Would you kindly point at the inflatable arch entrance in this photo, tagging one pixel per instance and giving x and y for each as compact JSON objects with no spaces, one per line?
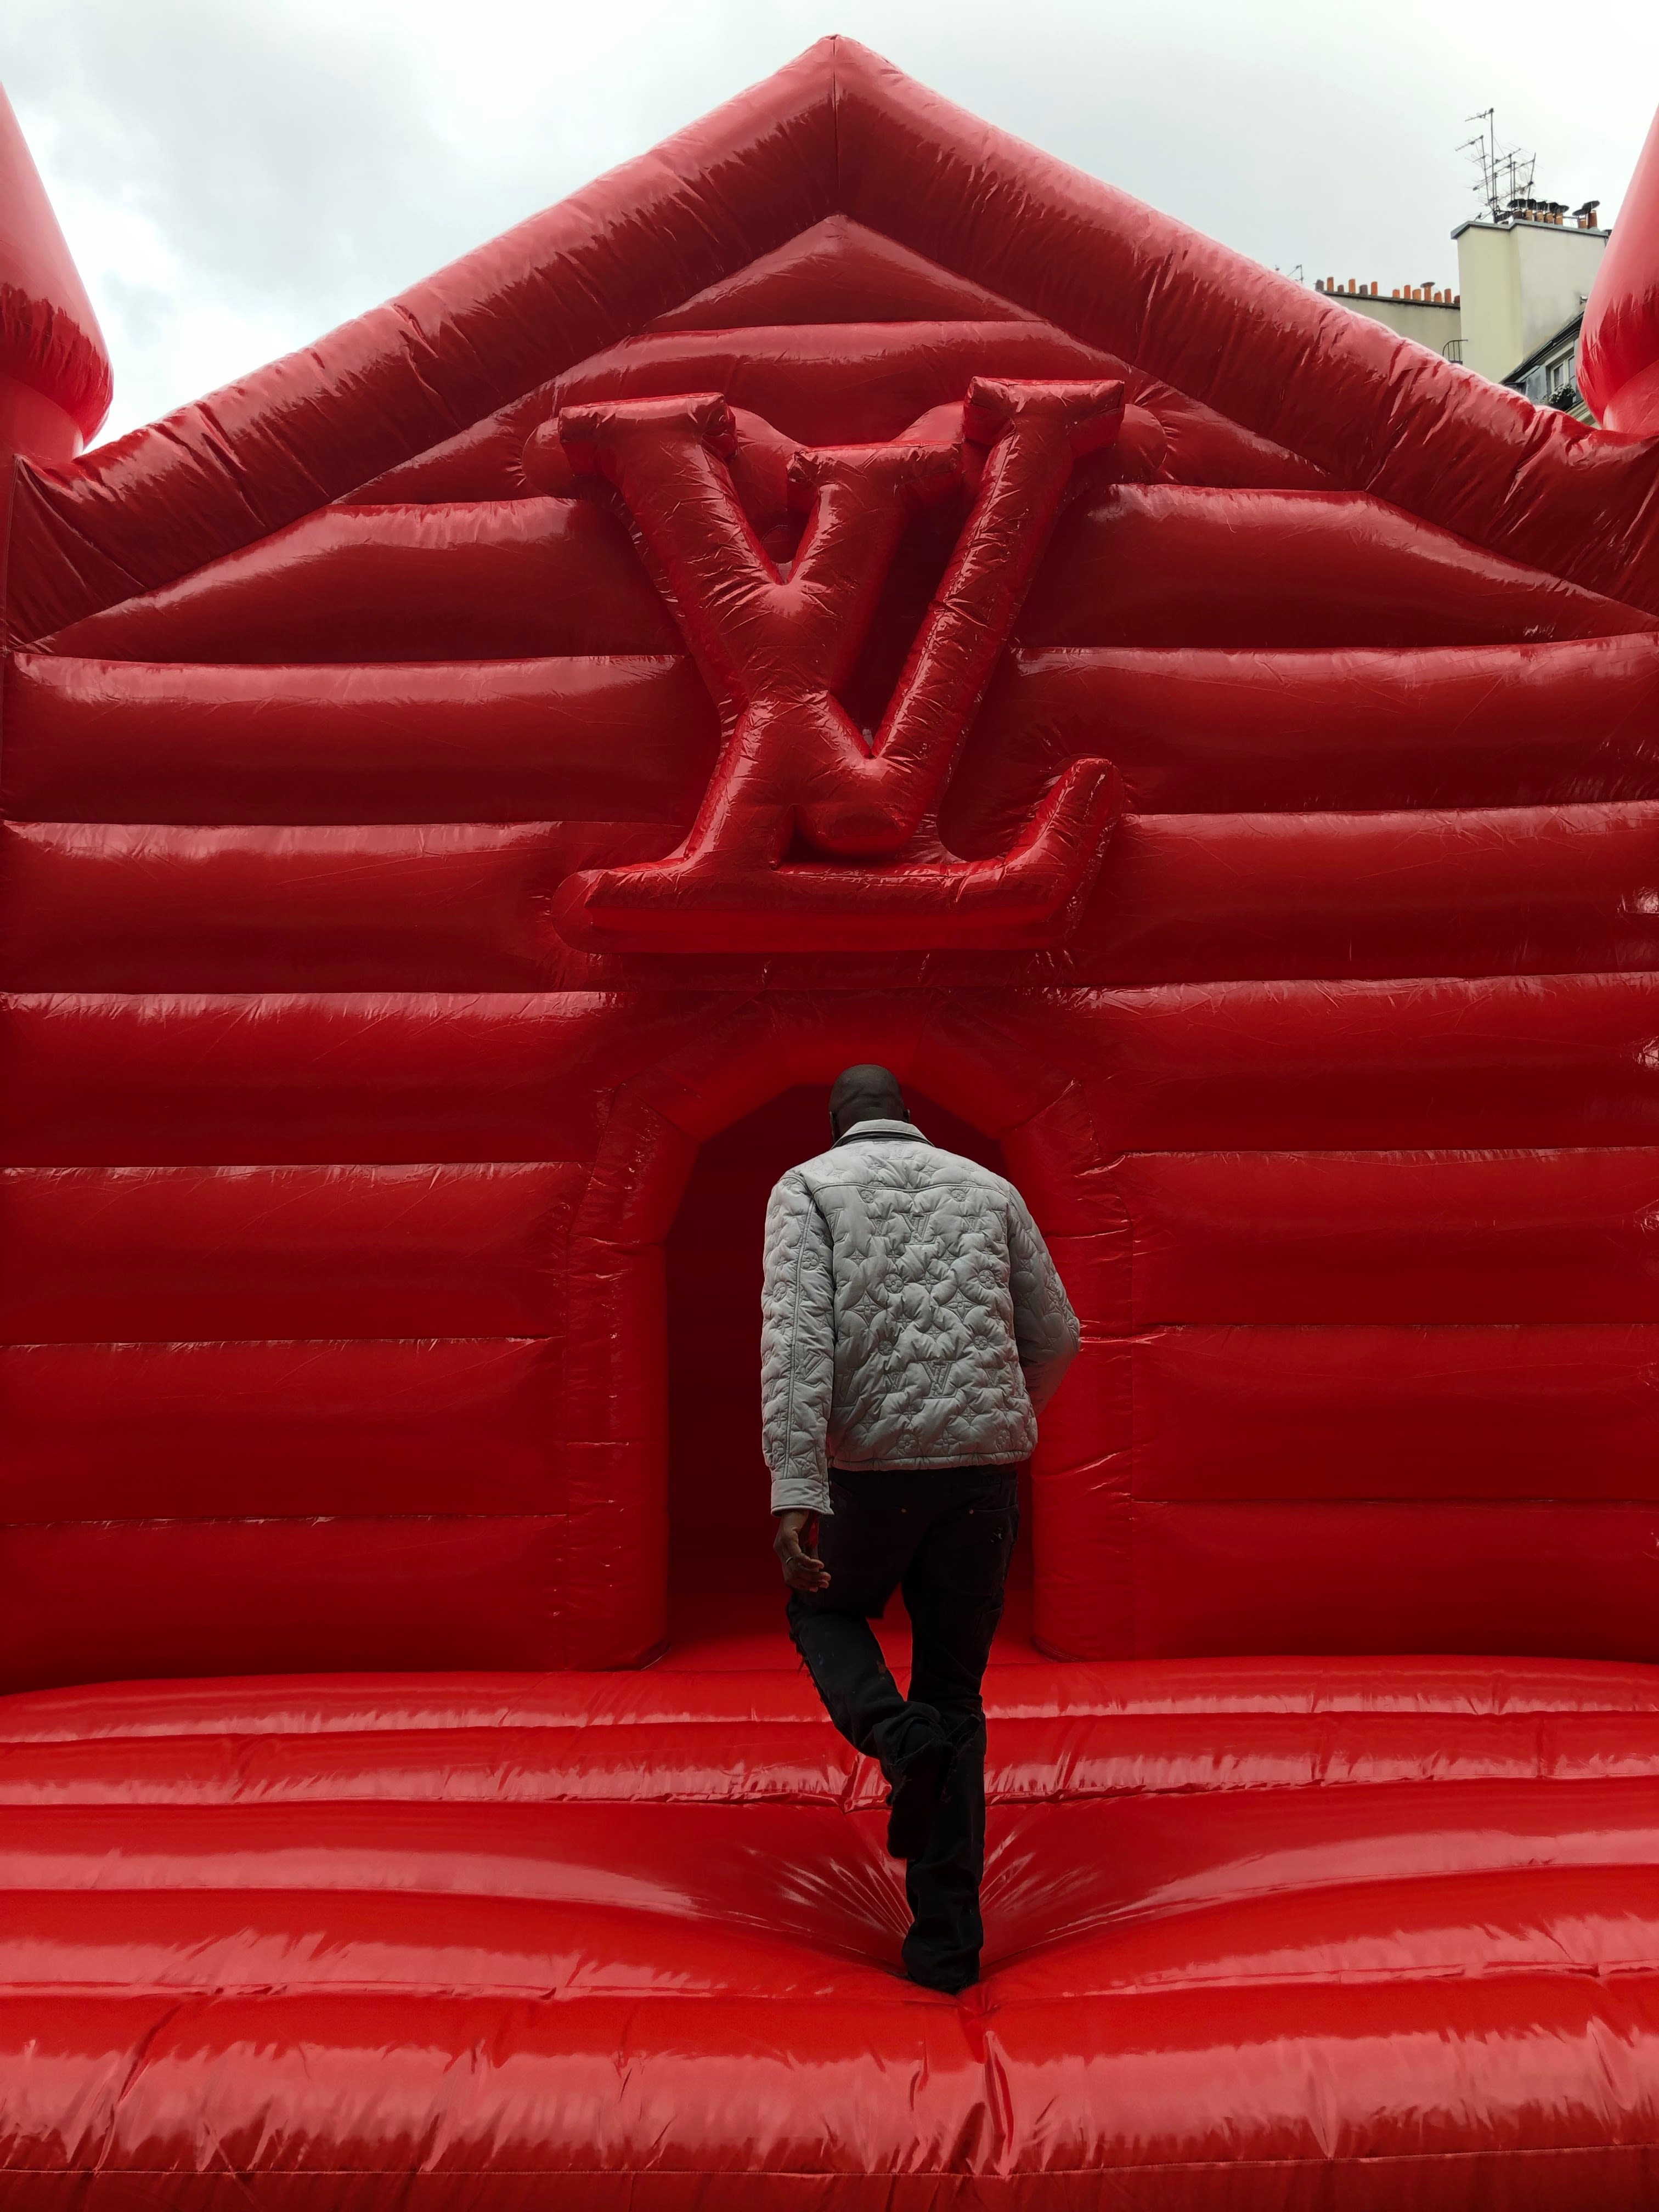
{"x":842,"y":586}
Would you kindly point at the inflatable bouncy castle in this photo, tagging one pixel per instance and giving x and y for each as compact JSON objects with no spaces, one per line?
{"x":843,"y":588}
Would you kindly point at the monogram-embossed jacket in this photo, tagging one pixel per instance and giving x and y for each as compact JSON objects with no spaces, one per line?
{"x":911,"y":1315}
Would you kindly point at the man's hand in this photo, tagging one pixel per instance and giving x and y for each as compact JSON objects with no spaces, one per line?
{"x":802,"y":1569}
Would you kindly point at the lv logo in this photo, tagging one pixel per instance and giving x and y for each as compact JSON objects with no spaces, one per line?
{"x":812,"y":836}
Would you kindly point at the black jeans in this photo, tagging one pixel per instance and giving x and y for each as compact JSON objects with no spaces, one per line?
{"x":943,"y":1536}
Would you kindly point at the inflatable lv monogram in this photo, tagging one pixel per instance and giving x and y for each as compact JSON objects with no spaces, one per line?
{"x":813,"y":834}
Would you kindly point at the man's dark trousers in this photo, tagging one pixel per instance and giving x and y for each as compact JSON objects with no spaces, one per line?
{"x":943,"y":1537}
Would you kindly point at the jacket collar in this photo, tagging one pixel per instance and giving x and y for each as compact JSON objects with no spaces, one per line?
{"x":901,"y":1131}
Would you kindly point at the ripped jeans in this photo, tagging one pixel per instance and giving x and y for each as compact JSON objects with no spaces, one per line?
{"x":943,"y":1537}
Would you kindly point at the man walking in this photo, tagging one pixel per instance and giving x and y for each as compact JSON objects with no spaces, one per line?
{"x":913,"y":1326}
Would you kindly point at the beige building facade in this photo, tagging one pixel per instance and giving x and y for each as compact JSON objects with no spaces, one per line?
{"x":1514,"y":316}
{"x":1522,"y":283}
{"x":1433,"y":317}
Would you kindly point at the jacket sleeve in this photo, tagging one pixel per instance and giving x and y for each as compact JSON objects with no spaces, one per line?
{"x":798,"y":1347}
{"x":1045,"y":1328}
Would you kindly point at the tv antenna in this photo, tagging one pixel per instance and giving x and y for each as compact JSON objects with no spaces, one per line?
{"x":1505,"y":172}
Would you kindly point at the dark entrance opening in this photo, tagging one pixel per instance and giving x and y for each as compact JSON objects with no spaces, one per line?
{"x":721,"y":1570}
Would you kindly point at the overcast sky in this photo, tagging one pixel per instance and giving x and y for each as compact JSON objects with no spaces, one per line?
{"x":236,"y":176}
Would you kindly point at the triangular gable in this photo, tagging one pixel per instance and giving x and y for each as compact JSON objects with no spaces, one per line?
{"x":837,"y":132}
{"x":839,"y":271}
{"x":772,"y":369}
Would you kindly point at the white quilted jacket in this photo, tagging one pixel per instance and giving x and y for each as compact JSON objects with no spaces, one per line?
{"x":911,"y":1315}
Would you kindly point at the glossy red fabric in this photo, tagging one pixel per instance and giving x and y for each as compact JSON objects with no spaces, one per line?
{"x":844,"y":588}
{"x":1256,"y":1931}
{"x":54,"y":373}
{"x":1618,"y":351}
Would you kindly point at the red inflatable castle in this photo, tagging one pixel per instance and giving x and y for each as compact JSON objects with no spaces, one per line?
{"x":843,"y":588}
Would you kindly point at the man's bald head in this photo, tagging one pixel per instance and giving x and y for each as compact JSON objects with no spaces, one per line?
{"x":865,"y":1093}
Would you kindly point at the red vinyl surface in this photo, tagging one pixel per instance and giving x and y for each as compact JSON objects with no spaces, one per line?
{"x":844,"y":588}
{"x":1249,"y":1926}
{"x":54,"y":372}
{"x":1619,"y":365}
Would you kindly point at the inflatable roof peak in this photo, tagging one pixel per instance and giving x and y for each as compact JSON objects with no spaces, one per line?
{"x":839,"y":162}
{"x":839,"y":271}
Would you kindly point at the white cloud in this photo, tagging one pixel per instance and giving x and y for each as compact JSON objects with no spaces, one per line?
{"x":236,"y":176}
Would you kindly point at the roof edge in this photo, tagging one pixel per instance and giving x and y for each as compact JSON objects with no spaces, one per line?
{"x":1373,"y":411}
{"x":841,"y":130}
{"x":260,"y":452}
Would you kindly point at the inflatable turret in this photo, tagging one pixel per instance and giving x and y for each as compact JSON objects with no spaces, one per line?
{"x":54,"y":371}
{"x":1619,"y":354}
